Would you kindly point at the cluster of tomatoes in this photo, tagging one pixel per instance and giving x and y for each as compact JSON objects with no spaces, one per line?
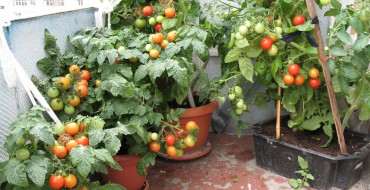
{"x":158,"y":40}
{"x":294,"y":76}
{"x":175,"y":143}
{"x":237,"y":100}
{"x":70,"y":136}
{"x":63,"y":96}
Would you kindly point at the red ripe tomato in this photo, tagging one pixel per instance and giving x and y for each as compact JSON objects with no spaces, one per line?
{"x":84,"y":75}
{"x":314,"y":82}
{"x":56,"y":181}
{"x":64,"y":138}
{"x":171,"y":151}
{"x":82,"y":140}
{"x":191,"y":125}
{"x":70,"y":181}
{"x":299,"y":20}
{"x":59,"y":151}
{"x":266,"y":43}
{"x":288,"y":79}
{"x":180,"y":133}
{"x":158,"y":27}
{"x":170,"y":140}
{"x":170,"y":12}
{"x":148,"y":10}
{"x":154,"y":146}
{"x":81,"y":91}
{"x":294,"y":69}
{"x":72,"y":128}
{"x":299,"y":80}
{"x":82,"y":127}
{"x":70,"y":145}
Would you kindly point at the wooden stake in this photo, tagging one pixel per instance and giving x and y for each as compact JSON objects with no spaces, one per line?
{"x":325,"y":68}
{"x":278,"y":114}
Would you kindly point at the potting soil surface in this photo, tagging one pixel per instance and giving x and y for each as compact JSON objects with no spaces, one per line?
{"x":314,"y":140}
{"x":230,"y":165}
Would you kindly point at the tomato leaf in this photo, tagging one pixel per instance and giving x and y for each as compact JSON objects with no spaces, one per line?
{"x":37,"y":167}
{"x":254,"y":50}
{"x":344,"y":37}
{"x":15,"y":173}
{"x":361,"y":42}
{"x":332,"y":12}
{"x":365,"y":110}
{"x":95,"y":137}
{"x":307,"y":26}
{"x":117,"y":85}
{"x":293,"y":183}
{"x":103,"y":155}
{"x":242,"y":43}
{"x":42,"y":131}
{"x":168,"y":24}
{"x":171,"y":50}
{"x":356,"y":24}
{"x":83,"y":158}
{"x":312,"y":124}
{"x":232,"y":55}
{"x":201,"y":50}
{"x":302,"y":163}
{"x":337,"y":51}
{"x":147,"y":160}
{"x":246,"y":68}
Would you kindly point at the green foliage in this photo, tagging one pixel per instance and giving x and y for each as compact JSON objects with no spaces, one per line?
{"x":304,"y":173}
{"x":34,"y":171}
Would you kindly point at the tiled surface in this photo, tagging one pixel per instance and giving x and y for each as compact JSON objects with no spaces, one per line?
{"x":230,"y":165}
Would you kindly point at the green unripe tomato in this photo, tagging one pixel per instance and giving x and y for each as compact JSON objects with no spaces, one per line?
{"x":22,"y":154}
{"x":148,"y":47}
{"x":140,"y":23}
{"x":69,"y":109}
{"x":244,"y":107}
{"x":364,"y":15}
{"x":60,"y":129}
{"x":159,"y":19}
{"x":239,"y":36}
{"x":325,"y":2}
{"x":231,"y":97}
{"x":154,"y":136}
{"x":259,"y":28}
{"x":152,"y":21}
{"x":121,"y":49}
{"x":278,"y":30}
{"x":238,"y":90}
{"x":243,"y":30}
{"x":273,"y":51}
{"x":53,"y":92}
{"x":240,"y":104}
{"x":279,"y":23}
{"x":239,"y":111}
{"x":20,"y":141}
{"x":248,"y":23}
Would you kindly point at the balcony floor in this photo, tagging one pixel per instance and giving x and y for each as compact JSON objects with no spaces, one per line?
{"x":230,"y":165}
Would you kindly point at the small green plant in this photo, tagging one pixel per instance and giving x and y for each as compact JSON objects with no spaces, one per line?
{"x":305,"y":175}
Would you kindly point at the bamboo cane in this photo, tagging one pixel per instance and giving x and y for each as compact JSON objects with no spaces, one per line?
{"x":328,"y":79}
{"x":278,"y":114}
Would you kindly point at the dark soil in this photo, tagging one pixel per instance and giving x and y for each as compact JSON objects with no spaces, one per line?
{"x":313,"y":140}
{"x":174,"y":104}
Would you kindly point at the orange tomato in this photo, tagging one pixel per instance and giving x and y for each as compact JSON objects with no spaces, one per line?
{"x":74,"y":70}
{"x":72,"y":128}
{"x":81,"y":91}
{"x":154,"y":53}
{"x":157,"y":38}
{"x":63,"y":83}
{"x":164,"y":44}
{"x":85,"y":75}
{"x":191,"y":125}
{"x":299,"y":80}
{"x":83,"y":82}
{"x":71,"y":144}
{"x":171,"y":36}
{"x":59,"y":151}
{"x":74,"y":100}
{"x":70,"y":181}
{"x":171,"y":151}
{"x":288,"y":79}
{"x":154,"y":146}
{"x":170,"y":12}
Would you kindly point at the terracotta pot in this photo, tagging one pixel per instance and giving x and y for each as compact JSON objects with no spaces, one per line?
{"x":202,"y":116}
{"x":128,"y":177}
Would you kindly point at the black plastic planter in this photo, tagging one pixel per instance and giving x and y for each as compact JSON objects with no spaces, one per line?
{"x":280,"y":157}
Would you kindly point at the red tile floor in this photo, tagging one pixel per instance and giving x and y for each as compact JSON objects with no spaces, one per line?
{"x":230,"y":165}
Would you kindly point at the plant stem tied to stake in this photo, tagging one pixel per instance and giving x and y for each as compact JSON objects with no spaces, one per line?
{"x":325,"y":68}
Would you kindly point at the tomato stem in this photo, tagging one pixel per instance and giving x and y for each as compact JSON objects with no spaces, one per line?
{"x":294,"y":8}
{"x":297,"y":46}
{"x":33,"y":142}
{"x":231,"y":5}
